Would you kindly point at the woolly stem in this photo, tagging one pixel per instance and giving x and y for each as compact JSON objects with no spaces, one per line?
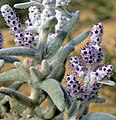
{"x":43,"y":34}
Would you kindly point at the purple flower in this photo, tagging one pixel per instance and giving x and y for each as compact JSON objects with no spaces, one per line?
{"x":73,"y":86}
{"x":87,"y":68}
{"x":11,"y":19}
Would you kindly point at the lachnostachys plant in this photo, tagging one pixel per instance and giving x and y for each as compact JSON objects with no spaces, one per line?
{"x":43,"y":66}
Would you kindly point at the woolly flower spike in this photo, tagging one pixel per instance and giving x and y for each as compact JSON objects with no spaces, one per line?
{"x":28,"y":23}
{"x":102,"y":73}
{"x":62,"y":21}
{"x":47,"y":12}
{"x":11,"y":19}
{"x":35,"y":15}
{"x":85,"y":92}
{"x":92,"y":76}
{"x":94,"y":88}
{"x":77,"y":66}
{"x":28,"y":39}
{"x":1,"y":40}
{"x":73,"y":86}
{"x":92,"y":54}
{"x":105,"y":71}
{"x":19,"y":38}
{"x":88,"y":92}
{"x":96,"y":34}
{"x":97,"y":30}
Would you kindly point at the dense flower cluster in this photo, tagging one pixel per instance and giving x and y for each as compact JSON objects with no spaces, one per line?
{"x":38,"y":15}
{"x":88,"y":68}
{"x":21,"y":37}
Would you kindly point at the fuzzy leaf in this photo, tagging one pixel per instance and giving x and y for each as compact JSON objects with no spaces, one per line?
{"x":26,"y":5}
{"x":79,"y":38}
{"x":9,"y":59}
{"x":13,"y":75}
{"x":17,"y":96}
{"x":17,"y":51}
{"x":52,"y":87}
{"x":107,"y":82}
{"x":59,"y":39}
{"x":98,"y":116}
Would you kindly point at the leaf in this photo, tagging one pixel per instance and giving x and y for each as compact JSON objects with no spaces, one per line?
{"x":9,"y":59}
{"x":107,"y":82}
{"x":17,"y":51}
{"x":26,"y":5}
{"x":13,"y":75}
{"x":56,"y":43}
{"x":52,"y":87}
{"x":79,"y":38}
{"x":98,"y":116}
{"x":17,"y":96}
{"x":98,"y":100}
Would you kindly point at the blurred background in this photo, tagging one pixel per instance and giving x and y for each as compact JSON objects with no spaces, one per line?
{"x":91,"y":12}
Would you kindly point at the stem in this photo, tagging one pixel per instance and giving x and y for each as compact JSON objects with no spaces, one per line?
{"x":34,"y":96}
